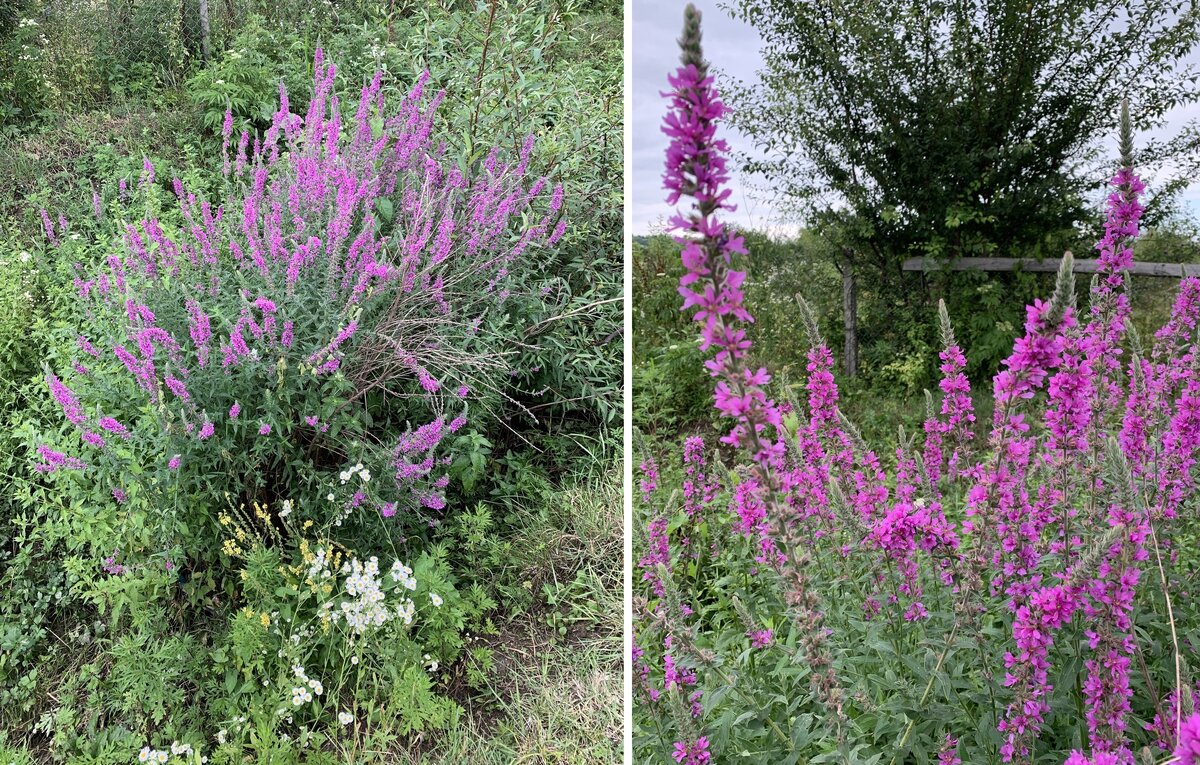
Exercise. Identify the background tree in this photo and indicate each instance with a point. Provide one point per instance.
(954, 129)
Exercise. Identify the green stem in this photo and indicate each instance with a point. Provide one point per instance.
(928, 687)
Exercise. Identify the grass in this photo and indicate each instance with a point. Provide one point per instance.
(554, 689)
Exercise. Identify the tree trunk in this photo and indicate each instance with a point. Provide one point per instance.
(849, 317)
(205, 50)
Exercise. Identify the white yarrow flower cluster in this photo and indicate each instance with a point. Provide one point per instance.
(367, 609)
(406, 611)
(307, 688)
(404, 575)
(363, 474)
(345, 718)
(319, 568)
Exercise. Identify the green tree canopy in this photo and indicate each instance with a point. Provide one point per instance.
(952, 128)
(958, 127)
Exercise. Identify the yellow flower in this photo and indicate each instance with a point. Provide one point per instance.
(266, 620)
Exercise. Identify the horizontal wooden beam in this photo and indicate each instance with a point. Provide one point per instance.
(1047, 265)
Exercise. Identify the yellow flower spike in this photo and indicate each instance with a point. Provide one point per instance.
(266, 620)
(308, 524)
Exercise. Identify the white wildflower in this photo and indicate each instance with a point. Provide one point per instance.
(301, 695)
(406, 610)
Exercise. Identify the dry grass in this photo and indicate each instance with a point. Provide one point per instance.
(555, 690)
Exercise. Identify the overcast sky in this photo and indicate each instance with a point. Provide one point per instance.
(733, 48)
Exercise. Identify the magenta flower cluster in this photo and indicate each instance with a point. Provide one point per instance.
(1049, 527)
(711, 290)
(328, 217)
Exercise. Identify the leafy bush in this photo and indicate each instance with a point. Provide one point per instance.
(228, 379)
(537, 68)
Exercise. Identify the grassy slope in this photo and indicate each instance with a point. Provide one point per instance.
(554, 695)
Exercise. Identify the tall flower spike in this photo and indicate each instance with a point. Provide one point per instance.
(1126, 138)
(691, 53)
(711, 289)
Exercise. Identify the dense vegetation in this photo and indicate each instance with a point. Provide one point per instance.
(952, 130)
(1010, 580)
(310, 382)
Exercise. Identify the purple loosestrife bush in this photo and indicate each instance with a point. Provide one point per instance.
(261, 346)
(1018, 599)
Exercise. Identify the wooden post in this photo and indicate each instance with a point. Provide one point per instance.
(849, 316)
(205, 50)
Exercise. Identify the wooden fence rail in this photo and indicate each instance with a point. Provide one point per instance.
(1047, 265)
